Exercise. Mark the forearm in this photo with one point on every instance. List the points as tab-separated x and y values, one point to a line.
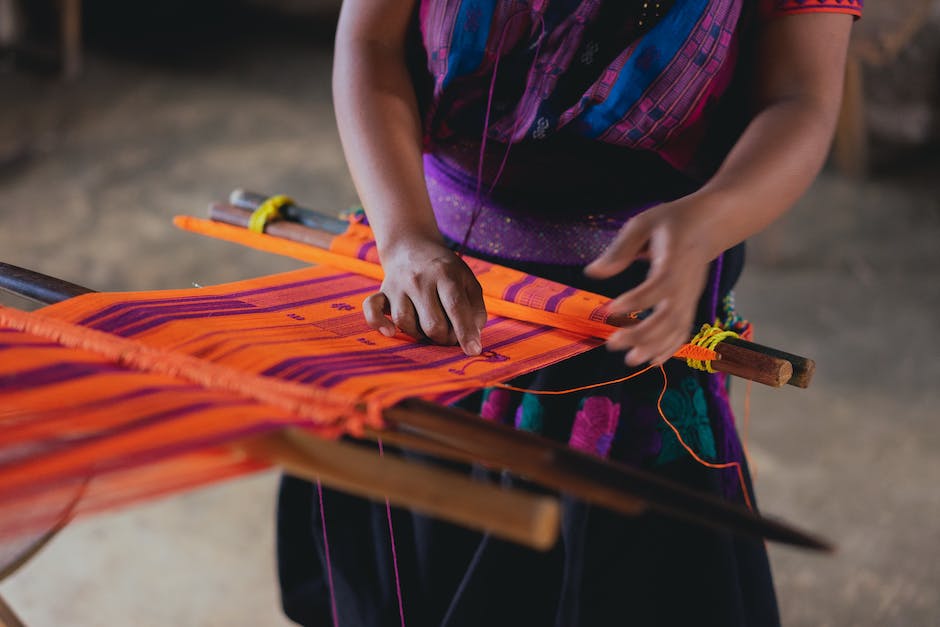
799	90
380	129
770	167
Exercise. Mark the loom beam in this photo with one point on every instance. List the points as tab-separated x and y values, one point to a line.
37	287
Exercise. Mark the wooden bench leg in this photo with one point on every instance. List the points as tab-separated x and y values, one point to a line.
7	617
850	148
71	38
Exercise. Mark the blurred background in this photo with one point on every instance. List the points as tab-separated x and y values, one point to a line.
114	116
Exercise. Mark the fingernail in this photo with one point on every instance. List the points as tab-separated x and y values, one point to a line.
474	347
386	331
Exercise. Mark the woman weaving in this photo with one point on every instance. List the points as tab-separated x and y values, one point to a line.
627	147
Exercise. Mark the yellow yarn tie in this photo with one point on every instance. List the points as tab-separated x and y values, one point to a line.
268	211
709	337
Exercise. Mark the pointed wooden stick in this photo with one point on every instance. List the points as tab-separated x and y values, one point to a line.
510	514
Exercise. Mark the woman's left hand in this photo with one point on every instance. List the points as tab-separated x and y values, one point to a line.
675	236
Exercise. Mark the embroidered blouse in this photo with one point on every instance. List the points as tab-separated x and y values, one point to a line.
642	74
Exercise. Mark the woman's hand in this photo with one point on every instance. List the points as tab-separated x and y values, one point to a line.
674	238
429	292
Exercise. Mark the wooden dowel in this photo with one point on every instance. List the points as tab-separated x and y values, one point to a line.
738	360
749	364
287	230
37	287
803	368
510	514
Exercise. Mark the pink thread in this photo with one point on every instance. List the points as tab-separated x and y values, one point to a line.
478	194
329	565
391	536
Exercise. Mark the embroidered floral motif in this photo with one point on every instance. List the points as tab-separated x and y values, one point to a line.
530	413
686	408
595	425
495	404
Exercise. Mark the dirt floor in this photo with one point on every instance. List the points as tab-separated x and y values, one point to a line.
164	121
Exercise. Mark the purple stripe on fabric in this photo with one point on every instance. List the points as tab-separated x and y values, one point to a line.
343	365
458	357
150	420
278	369
134	395
132	315
513	290
51	375
160	320
364	250
555	301
31	345
227	332
117	307
543	359
143	458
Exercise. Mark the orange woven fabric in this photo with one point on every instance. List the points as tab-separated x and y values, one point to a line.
307	327
74	423
124	397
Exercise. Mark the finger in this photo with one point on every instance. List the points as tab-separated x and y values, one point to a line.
657	327
376	308
670	350
654	352
621	252
477	304
657	287
462	317
405	317
433	321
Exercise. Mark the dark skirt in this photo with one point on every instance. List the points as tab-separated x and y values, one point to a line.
606	569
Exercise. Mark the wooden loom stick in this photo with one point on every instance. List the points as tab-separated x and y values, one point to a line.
8	617
747	360
35	286
459	435
602	482
514	515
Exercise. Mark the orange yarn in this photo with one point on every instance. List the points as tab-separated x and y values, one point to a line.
695	456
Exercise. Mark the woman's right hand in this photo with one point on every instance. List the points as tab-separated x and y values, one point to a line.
428	292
